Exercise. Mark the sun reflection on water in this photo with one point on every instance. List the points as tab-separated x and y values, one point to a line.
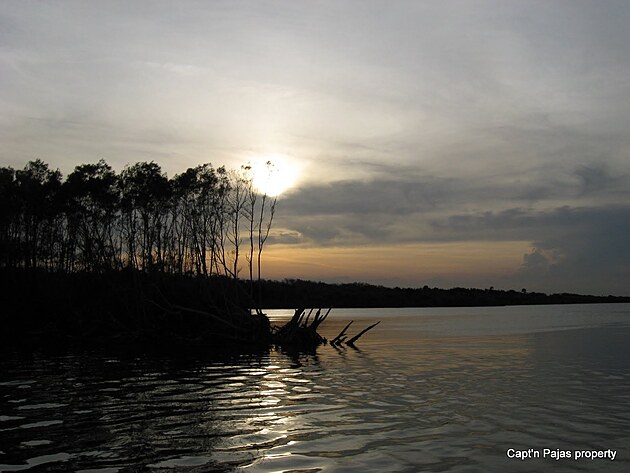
410	400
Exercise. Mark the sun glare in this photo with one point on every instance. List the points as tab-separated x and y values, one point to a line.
273	174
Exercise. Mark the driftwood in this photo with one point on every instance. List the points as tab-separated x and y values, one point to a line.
298	332
360	334
301	330
342	337
339	338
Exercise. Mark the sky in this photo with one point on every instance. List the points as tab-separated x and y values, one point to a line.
461	143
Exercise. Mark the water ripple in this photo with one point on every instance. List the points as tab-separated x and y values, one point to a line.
405	403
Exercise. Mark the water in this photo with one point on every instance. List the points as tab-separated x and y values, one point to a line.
427	390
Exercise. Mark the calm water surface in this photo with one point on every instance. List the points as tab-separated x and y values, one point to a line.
427	390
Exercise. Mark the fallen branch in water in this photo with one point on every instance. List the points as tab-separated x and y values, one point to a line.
319	320
298	332
356	337
339	338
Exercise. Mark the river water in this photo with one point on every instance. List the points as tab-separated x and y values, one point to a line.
440	390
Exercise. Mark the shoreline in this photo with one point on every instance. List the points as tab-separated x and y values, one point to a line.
126	308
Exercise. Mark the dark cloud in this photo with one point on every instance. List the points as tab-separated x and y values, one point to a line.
576	248
584	249
388	196
549	226
535	262
596	178
402	191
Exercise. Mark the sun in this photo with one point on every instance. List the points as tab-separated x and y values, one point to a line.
273	174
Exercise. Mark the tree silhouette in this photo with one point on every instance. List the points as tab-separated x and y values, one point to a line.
265	219
9	212
97	220
145	199
91	204
36	191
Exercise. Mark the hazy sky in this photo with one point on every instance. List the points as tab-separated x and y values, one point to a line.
472	143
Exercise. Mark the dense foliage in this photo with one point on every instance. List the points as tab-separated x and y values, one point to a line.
295	293
205	221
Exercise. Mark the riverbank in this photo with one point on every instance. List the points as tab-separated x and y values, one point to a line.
295	292
127	308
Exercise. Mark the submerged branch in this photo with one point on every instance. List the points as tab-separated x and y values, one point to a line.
338	338
356	337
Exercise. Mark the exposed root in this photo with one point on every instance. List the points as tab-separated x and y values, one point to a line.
298	332
301	330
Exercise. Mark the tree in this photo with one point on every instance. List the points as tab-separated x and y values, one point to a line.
145	195
9	214
36	189
265	219
96	221
92	202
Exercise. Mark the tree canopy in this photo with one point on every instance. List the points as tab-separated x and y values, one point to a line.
200	222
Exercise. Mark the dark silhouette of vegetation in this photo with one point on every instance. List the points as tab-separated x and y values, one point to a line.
96	220
295	292
136	256
298	331
103	251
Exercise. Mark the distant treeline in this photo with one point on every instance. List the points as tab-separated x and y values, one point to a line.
205	221
299	293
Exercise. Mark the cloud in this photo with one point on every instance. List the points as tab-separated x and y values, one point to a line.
484	86
535	262
281	236
418	121
596	178
453	202
581	249
574	247
183	69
